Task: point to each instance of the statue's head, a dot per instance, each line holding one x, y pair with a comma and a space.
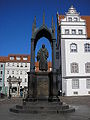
43, 46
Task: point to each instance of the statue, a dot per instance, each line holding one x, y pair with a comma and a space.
42, 56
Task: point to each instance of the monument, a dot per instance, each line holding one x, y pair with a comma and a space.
42, 85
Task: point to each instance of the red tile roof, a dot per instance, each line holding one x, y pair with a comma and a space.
87, 18
7, 59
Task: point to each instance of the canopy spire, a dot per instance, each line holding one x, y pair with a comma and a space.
43, 18
52, 23
34, 25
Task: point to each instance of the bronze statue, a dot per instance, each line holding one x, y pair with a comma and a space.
42, 56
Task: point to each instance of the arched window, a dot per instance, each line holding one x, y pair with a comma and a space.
73, 47
87, 67
74, 67
87, 47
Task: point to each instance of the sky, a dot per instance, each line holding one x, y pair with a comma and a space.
16, 19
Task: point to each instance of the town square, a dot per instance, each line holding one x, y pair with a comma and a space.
44, 60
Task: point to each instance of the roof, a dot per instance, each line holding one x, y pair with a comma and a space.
3, 59
87, 18
7, 59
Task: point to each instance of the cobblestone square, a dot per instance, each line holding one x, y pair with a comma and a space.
81, 104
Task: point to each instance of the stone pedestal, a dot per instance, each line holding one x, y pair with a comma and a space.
42, 85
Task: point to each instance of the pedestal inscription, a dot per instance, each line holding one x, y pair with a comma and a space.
42, 86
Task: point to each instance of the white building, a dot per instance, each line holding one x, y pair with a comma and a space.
17, 67
2, 75
75, 54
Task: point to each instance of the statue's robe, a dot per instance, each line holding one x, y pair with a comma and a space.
42, 56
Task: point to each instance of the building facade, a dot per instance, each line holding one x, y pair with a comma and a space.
74, 53
2, 76
13, 74
16, 77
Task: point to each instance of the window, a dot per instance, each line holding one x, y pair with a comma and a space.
8, 72
0, 79
88, 83
75, 19
12, 72
80, 32
73, 47
12, 64
1, 65
73, 31
8, 64
87, 67
74, 67
25, 58
17, 64
57, 55
69, 19
25, 64
21, 72
17, 58
25, 79
11, 58
75, 83
21, 65
87, 47
1, 72
66, 31
25, 72
17, 72
75, 93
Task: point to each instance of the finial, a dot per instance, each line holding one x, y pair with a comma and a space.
71, 6
43, 17
52, 21
54, 27
35, 21
34, 25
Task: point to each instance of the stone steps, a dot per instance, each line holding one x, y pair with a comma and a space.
43, 108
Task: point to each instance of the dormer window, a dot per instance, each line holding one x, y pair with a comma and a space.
17, 58
11, 58
73, 31
69, 19
75, 19
25, 58
80, 32
66, 31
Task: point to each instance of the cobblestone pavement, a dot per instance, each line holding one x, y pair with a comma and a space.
81, 104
